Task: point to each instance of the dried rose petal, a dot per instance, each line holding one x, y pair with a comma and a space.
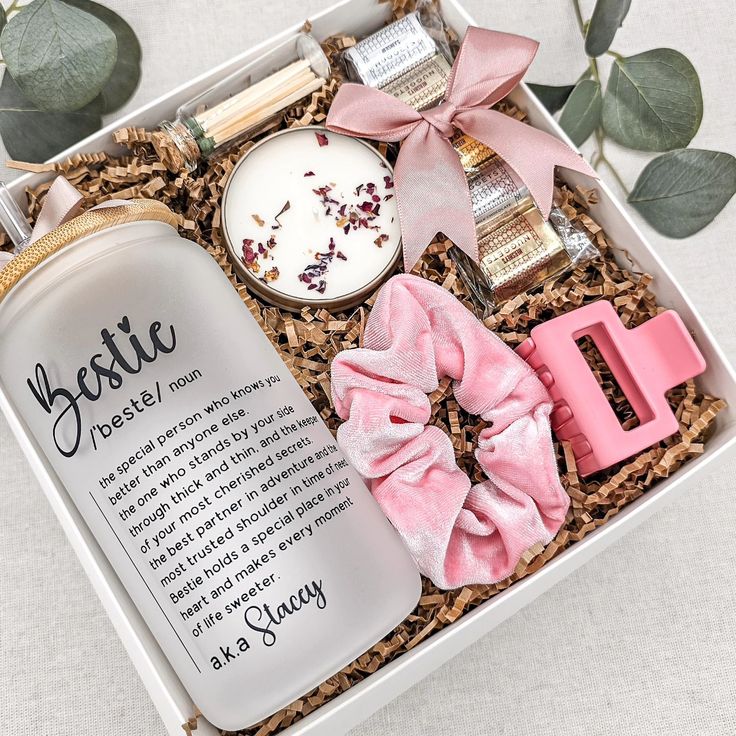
313, 272
250, 259
285, 208
249, 255
322, 139
351, 216
309, 173
271, 275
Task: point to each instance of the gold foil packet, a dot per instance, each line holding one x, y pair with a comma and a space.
473, 154
422, 86
519, 250
390, 52
521, 253
496, 191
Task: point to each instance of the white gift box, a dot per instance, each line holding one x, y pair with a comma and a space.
360, 17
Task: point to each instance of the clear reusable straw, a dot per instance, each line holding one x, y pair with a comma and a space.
13, 220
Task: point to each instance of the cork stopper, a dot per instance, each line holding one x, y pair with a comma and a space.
176, 147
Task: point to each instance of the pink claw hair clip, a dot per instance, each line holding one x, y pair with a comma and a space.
646, 361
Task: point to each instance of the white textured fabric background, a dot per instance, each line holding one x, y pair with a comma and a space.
640, 641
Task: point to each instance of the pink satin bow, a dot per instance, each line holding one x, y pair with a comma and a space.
431, 187
62, 202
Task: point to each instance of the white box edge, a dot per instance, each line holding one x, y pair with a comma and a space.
359, 702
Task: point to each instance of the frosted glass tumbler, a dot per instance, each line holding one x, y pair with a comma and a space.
255, 553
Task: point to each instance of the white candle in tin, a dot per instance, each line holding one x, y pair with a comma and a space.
310, 218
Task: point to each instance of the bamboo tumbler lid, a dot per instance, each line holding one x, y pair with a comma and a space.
87, 223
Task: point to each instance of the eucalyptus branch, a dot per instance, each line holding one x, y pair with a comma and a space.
665, 191
579, 15
62, 72
600, 158
594, 70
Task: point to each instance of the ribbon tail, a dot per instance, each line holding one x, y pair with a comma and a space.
432, 195
530, 152
62, 202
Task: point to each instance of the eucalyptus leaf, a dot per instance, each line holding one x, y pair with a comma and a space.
127, 70
653, 101
582, 111
553, 98
680, 192
30, 134
3, 18
60, 56
608, 15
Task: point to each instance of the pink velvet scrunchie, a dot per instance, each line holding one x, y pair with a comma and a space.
418, 333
